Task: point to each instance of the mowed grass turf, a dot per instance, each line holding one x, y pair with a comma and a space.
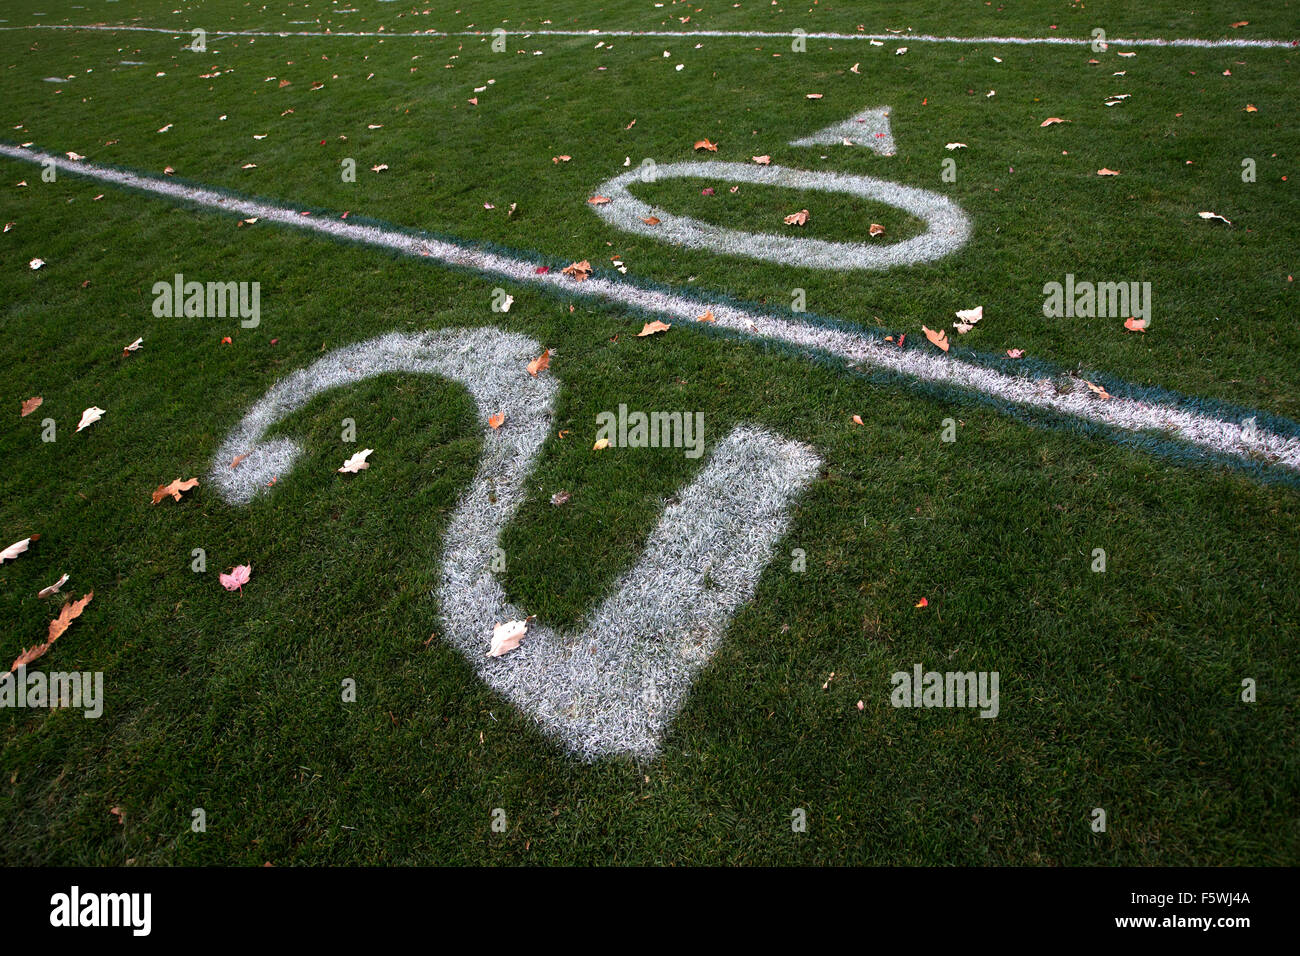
1118, 690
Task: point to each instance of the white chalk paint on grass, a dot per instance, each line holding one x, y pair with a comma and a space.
947, 226
1227, 42
614, 685
869, 128
1242, 440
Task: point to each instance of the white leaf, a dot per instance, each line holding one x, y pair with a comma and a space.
53, 588
36, 264
506, 637
15, 549
90, 416
357, 462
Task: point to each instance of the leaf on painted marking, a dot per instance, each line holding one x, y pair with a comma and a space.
703, 144
237, 578
30, 405
797, 218
497, 420
876, 229
506, 637
357, 462
598, 200
90, 416
53, 588
540, 364
1214, 215
938, 339
652, 328
1134, 324
650, 220
174, 489
234, 462
579, 270
1096, 389
17, 548
706, 317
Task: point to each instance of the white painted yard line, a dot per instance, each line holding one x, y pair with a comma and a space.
1244, 440
705, 34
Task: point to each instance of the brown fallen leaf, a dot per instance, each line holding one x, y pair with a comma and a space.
650, 220
67, 614
598, 200
176, 488
561, 159
1107, 172
857, 419
497, 420
579, 270
650, 328
706, 317
1050, 121
234, 462
1134, 324
939, 339
540, 364
31, 405
1096, 389
1251, 108
762, 160
797, 218
705, 144
876, 229
1241, 23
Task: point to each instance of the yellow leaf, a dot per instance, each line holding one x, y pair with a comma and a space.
651, 328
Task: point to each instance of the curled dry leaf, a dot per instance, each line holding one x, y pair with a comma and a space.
90, 416
17, 548
876, 229
1107, 172
650, 220
598, 200
1214, 215
1050, 121
938, 339
357, 462
540, 364
579, 270
706, 317
234, 462
650, 328
954, 146
601, 444
67, 614
1015, 353
857, 420
968, 319
704, 144
30, 405
762, 160
1096, 389
561, 159
174, 490
560, 497
53, 588
1134, 324
133, 347
797, 218
506, 637
924, 602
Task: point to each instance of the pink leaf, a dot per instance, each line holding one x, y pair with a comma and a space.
237, 578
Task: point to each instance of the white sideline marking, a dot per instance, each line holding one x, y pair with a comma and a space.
694, 34
614, 685
1242, 440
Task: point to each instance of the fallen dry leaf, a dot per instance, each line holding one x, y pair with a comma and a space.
706, 317
560, 497
857, 419
53, 588
762, 160
650, 220
650, 328
506, 637
17, 548
1134, 324
938, 339
704, 144
598, 200
924, 602
601, 444
90, 416
1214, 215
237, 578
497, 420
1015, 353
797, 218
175, 489
133, 347
968, 319
1107, 172
579, 270
357, 462
1050, 121
234, 462
31, 405
540, 364
1096, 389
876, 229
67, 614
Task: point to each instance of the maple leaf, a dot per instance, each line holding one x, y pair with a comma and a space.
357, 462
506, 637
650, 328
90, 416
938, 339
705, 144
17, 548
175, 489
237, 578
497, 420
31, 405
540, 364
797, 218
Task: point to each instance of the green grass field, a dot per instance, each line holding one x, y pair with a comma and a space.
1120, 690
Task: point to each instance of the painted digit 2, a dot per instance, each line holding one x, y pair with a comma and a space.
614, 685
947, 226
